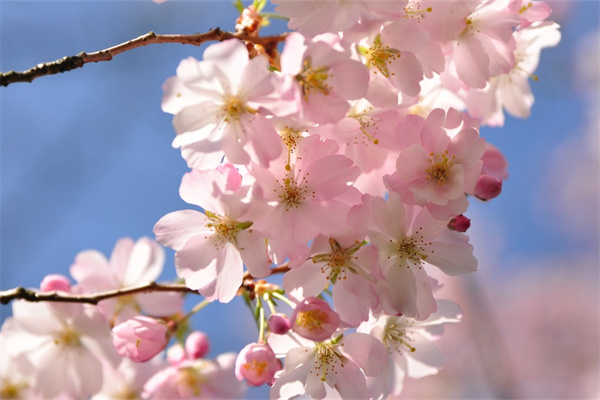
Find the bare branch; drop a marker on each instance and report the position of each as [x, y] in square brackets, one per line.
[73, 62]
[34, 296]
[21, 293]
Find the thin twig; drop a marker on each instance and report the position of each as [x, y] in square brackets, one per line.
[73, 62]
[21, 293]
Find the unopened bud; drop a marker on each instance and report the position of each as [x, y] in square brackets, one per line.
[460, 223]
[197, 345]
[279, 324]
[140, 338]
[315, 320]
[55, 283]
[257, 364]
[488, 187]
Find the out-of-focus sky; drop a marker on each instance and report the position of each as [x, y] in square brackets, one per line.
[86, 159]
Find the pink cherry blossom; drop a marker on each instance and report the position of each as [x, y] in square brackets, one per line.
[511, 91]
[407, 238]
[256, 364]
[441, 166]
[140, 338]
[341, 364]
[212, 247]
[127, 380]
[409, 347]
[217, 104]
[308, 196]
[322, 76]
[349, 266]
[131, 263]
[198, 379]
[485, 47]
[65, 343]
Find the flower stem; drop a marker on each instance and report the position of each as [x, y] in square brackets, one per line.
[194, 310]
[283, 298]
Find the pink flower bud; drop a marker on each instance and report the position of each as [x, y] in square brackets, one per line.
[176, 354]
[140, 338]
[314, 319]
[488, 187]
[197, 345]
[257, 364]
[55, 283]
[279, 324]
[460, 223]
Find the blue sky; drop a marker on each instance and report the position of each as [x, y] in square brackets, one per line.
[86, 156]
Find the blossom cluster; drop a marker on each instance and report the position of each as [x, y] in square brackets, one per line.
[347, 161]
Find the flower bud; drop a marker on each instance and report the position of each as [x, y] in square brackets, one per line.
[488, 187]
[257, 364]
[197, 345]
[315, 320]
[140, 338]
[279, 323]
[460, 223]
[55, 283]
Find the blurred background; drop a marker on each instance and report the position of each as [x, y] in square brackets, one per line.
[86, 159]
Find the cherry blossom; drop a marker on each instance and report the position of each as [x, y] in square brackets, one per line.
[306, 197]
[409, 347]
[342, 363]
[213, 246]
[131, 263]
[441, 166]
[318, 72]
[66, 344]
[217, 104]
[196, 379]
[408, 237]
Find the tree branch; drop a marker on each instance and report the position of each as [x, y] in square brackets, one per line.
[20, 293]
[73, 62]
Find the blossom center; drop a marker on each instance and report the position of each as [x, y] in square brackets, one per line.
[339, 261]
[380, 56]
[190, 380]
[326, 361]
[256, 367]
[293, 193]
[311, 320]
[440, 167]
[313, 79]
[368, 127]
[67, 337]
[396, 338]
[225, 230]
[233, 108]
[413, 248]
[10, 390]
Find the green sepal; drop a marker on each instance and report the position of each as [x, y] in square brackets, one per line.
[243, 225]
[238, 6]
